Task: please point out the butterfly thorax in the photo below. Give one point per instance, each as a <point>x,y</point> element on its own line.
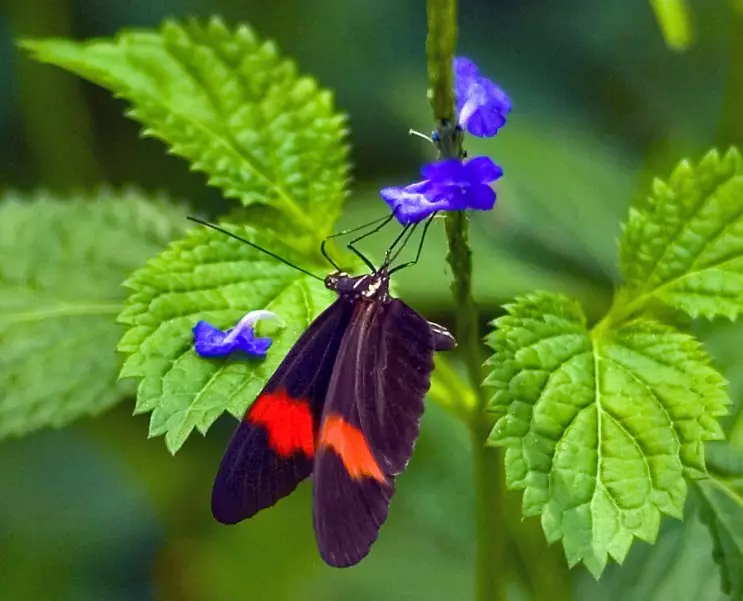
<point>372,286</point>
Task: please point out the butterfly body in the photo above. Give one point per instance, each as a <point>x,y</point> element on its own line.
<point>345,406</point>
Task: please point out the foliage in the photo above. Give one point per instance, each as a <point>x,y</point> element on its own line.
<point>218,279</point>
<point>61,268</point>
<point>721,508</point>
<point>229,104</point>
<point>685,245</point>
<point>602,424</point>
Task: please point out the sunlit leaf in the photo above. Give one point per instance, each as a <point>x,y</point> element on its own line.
<point>600,426</point>
<point>212,277</point>
<point>227,102</point>
<point>684,246</point>
<point>678,567</point>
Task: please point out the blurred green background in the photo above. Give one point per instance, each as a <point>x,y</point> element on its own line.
<point>601,105</point>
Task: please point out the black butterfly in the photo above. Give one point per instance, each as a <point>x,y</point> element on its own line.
<point>344,405</point>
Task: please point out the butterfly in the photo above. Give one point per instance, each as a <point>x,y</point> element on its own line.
<point>344,406</point>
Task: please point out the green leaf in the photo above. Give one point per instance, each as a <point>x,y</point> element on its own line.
<point>721,509</point>
<point>600,426</point>
<point>62,261</point>
<point>678,567</point>
<point>685,245</point>
<point>674,19</point>
<point>230,105</point>
<point>212,277</point>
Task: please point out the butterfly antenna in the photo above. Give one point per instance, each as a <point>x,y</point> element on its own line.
<point>420,248</point>
<point>249,243</point>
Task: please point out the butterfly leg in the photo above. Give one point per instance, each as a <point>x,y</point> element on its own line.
<point>420,247</point>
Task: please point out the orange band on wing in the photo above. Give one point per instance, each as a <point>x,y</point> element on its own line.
<point>287,421</point>
<point>349,443</point>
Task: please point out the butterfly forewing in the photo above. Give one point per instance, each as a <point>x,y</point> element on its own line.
<point>370,422</point>
<point>273,448</point>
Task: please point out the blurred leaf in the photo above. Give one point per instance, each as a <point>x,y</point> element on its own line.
<point>216,278</point>
<point>685,245</point>
<point>674,18</point>
<point>450,391</point>
<point>74,513</point>
<point>229,104</point>
<point>62,261</point>
<point>723,341</point>
<point>563,195</point>
<point>721,509</point>
<point>600,426</point>
<point>679,567</point>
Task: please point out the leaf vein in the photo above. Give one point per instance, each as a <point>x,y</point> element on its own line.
<point>681,227</point>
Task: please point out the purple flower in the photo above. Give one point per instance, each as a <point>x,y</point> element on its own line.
<point>481,105</point>
<point>213,342</point>
<point>448,186</point>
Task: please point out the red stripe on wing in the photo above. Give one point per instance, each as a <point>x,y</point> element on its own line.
<point>287,421</point>
<point>351,446</point>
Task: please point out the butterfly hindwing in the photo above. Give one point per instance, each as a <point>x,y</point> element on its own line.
<point>370,422</point>
<point>442,338</point>
<point>273,448</point>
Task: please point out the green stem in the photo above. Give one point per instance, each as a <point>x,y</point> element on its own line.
<point>490,582</point>
<point>59,141</point>
<point>467,319</point>
<point>61,310</point>
<point>730,129</point>
<point>440,46</point>
<point>487,463</point>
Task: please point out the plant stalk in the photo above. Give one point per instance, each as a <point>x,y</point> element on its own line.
<point>491,576</point>
<point>490,573</point>
<point>60,140</point>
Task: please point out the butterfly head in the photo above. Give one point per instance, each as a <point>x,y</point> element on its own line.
<point>373,286</point>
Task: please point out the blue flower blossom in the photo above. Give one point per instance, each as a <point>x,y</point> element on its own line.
<point>210,341</point>
<point>450,185</point>
<point>482,106</point>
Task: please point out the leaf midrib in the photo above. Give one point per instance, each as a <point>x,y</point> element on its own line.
<point>60,310</point>
<point>289,203</point>
<point>599,437</point>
